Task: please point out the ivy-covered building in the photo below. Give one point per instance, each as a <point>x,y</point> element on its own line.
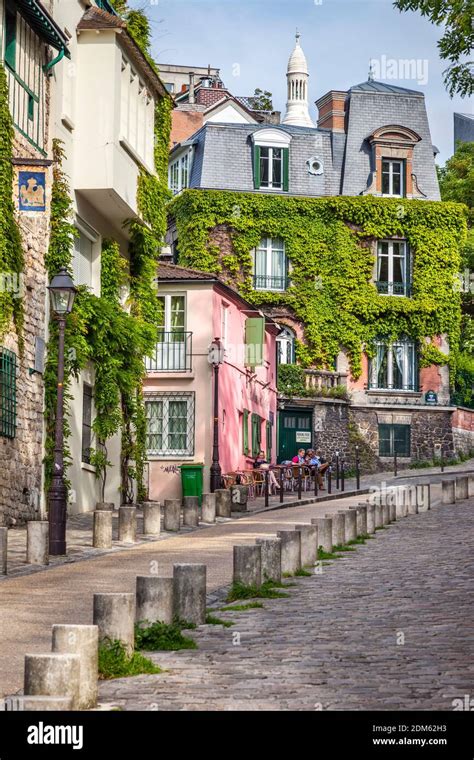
<point>337,232</point>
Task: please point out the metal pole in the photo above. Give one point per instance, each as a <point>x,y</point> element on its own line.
<point>329,478</point>
<point>442,459</point>
<point>395,464</point>
<point>299,484</point>
<point>216,472</point>
<point>267,485</point>
<point>57,495</point>
<point>357,469</point>
<point>342,475</point>
<point>337,470</point>
<point>281,485</point>
<point>315,479</point>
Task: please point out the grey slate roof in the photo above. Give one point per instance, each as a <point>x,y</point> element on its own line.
<point>223,156</point>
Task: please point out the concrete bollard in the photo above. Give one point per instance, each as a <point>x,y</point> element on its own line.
<point>248,565</point>
<point>423,497</point>
<point>411,500</point>
<point>385,513</point>
<point>53,675</point>
<point>400,508</point>
<point>309,544</point>
<point>191,511</point>
<point>361,519</point>
<point>189,592</point>
<point>114,614</point>
<point>378,515</point>
<point>208,514</point>
<point>290,551</point>
<point>448,495</point>
<point>82,640</point>
<point>370,518</point>
<point>470,485</point>
<point>102,530</point>
<point>27,703</point>
<point>223,502</point>
<point>172,515</point>
<point>271,559</point>
<point>350,525</point>
<point>462,488</point>
<point>151,518</point>
<point>3,550</point>
<point>154,599</point>
<point>338,528</point>
<point>324,526</point>
<point>37,542</point>
<point>128,524</point>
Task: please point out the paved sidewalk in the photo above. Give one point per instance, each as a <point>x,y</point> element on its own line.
<point>389,627</point>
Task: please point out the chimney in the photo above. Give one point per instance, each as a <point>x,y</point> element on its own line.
<point>332,109</point>
<point>191,98</point>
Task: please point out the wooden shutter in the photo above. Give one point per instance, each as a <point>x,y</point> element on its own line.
<point>256,166</point>
<point>245,432</point>
<point>254,337</point>
<point>286,169</point>
<point>255,435</point>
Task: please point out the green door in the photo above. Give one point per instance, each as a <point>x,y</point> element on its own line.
<point>295,432</point>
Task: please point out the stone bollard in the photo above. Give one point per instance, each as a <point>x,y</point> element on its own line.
<point>423,497</point>
<point>37,542</point>
<point>361,519</point>
<point>411,500</point>
<point>271,559</point>
<point>172,515</point>
<point>462,488</point>
<point>191,511</point>
<point>378,515</point>
<point>128,524</point>
<point>189,592</point>
<point>324,526</point>
<point>385,512</point>
<point>27,703</point>
<point>470,485</point>
<point>3,550</point>
<point>114,614</point>
<point>370,518</point>
<point>309,544</point>
<point>448,492</point>
<point>102,530</point>
<point>239,496</point>
<point>82,640</point>
<point>400,507</point>
<point>223,502</point>
<point>338,528</point>
<point>208,514</point>
<point>350,525</point>
<point>151,518</point>
<point>53,675</point>
<point>290,551</point>
<point>154,599</point>
<point>248,565</point>
<point>107,506</point>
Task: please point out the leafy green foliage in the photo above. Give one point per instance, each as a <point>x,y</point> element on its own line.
<point>114,662</point>
<point>455,17</point>
<point>262,100</point>
<point>161,636</point>
<point>214,620</point>
<point>242,607</point>
<point>268,590</point>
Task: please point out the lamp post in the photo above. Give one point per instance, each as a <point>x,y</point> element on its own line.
<point>215,359</point>
<point>62,293</point>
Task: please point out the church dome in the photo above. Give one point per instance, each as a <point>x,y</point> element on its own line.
<point>297,61</point>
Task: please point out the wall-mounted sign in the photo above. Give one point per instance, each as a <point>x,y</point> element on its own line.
<point>431,397</point>
<point>32,191</point>
<point>303,436</point>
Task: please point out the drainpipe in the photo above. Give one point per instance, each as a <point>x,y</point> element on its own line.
<point>191,98</point>
<point>47,68</point>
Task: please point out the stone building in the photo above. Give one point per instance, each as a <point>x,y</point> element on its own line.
<point>371,141</point>
<point>31,43</point>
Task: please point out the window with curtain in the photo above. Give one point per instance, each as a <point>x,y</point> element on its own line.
<point>393,366</point>
<point>285,343</point>
<point>87,395</point>
<point>393,271</point>
<point>270,265</point>
<point>170,424</point>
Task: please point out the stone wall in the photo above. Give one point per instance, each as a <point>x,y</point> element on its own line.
<point>463,430</point>
<point>427,429</point>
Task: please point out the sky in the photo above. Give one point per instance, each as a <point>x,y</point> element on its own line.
<point>251,40</point>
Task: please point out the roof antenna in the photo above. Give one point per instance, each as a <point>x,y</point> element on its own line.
<point>371,76</point>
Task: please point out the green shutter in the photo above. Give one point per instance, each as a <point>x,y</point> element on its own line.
<point>10,38</point>
<point>7,393</point>
<point>254,337</point>
<point>256,166</point>
<point>286,169</point>
<point>255,435</point>
<point>245,432</point>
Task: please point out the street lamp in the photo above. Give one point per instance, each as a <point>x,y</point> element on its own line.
<point>62,293</point>
<point>216,358</point>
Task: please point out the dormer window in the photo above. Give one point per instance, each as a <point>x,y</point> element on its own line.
<point>393,178</point>
<point>271,167</point>
<point>392,162</point>
<point>271,157</point>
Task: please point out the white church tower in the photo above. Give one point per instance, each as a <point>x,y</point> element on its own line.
<point>297,112</point>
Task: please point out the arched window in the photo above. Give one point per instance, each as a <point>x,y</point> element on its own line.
<point>286,346</point>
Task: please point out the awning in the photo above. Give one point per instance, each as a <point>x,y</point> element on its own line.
<point>43,24</point>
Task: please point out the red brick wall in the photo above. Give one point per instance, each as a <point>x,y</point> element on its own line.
<point>184,124</point>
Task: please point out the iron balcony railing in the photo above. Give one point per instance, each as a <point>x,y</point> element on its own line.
<point>393,288</point>
<point>173,353</point>
<point>393,387</point>
<point>264,282</point>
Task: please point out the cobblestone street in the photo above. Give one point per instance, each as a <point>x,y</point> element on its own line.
<point>390,626</point>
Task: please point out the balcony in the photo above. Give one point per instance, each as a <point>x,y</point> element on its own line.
<point>320,379</point>
<point>276,284</point>
<point>393,288</point>
<point>173,353</point>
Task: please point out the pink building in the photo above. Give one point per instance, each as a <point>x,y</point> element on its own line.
<point>178,390</point>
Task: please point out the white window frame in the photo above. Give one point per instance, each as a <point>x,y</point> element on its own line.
<point>165,398</point>
<point>137,107</point>
<point>85,230</point>
<point>391,162</point>
<point>270,248</point>
<point>286,345</point>
<point>271,184</point>
<point>224,323</point>
<point>390,256</point>
<point>409,366</point>
<point>179,172</point>
<point>166,327</point>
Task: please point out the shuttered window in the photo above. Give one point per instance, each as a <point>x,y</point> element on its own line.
<point>245,432</point>
<point>8,365</point>
<point>256,434</point>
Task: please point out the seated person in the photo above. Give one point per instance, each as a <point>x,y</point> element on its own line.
<point>315,461</point>
<point>260,463</point>
<point>300,457</point>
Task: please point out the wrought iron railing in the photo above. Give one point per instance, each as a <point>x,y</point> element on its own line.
<point>264,282</point>
<point>393,387</point>
<point>393,288</point>
<point>173,353</point>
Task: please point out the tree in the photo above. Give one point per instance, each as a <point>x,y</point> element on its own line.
<point>262,100</point>
<point>457,41</point>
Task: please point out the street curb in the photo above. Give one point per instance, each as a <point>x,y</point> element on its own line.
<point>302,503</point>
